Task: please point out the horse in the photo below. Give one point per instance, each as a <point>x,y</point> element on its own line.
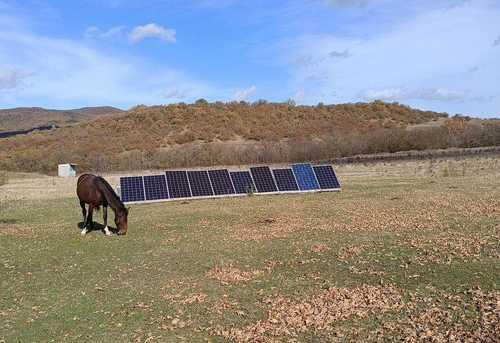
<point>96,191</point>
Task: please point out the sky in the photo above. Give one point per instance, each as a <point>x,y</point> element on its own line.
<point>441,55</point>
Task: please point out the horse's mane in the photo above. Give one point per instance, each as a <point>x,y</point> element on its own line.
<point>114,199</point>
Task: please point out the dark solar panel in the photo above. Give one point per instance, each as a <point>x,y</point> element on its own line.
<point>326,177</point>
<point>242,181</point>
<point>200,183</point>
<point>305,176</point>
<point>263,179</point>
<point>155,187</point>
<point>178,185</point>
<point>285,180</point>
<point>221,182</point>
<point>132,189</point>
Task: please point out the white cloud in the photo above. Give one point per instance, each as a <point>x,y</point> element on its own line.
<point>398,94</point>
<point>347,3</point>
<point>69,73</point>
<point>244,94</point>
<point>423,59</point>
<point>339,54</point>
<point>497,41</point>
<point>139,33</point>
<point>300,95</point>
<point>11,78</point>
<point>113,32</point>
<point>92,32</point>
<point>176,93</point>
<point>95,32</point>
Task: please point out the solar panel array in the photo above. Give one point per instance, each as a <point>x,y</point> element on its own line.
<point>181,184</point>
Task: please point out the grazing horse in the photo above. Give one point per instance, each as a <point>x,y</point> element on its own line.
<point>96,191</point>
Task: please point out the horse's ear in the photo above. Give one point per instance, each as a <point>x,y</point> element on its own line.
<point>128,209</point>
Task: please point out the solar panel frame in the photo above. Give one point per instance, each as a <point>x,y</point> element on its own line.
<point>177,190</point>
<point>134,194</point>
<point>327,189</point>
<point>239,187</point>
<point>305,176</point>
<point>155,193</point>
<point>285,183</point>
<point>223,188</point>
<point>266,185</point>
<point>198,189</point>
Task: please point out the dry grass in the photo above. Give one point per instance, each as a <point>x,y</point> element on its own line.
<point>395,256</point>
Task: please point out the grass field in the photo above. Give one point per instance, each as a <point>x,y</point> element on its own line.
<point>404,251</point>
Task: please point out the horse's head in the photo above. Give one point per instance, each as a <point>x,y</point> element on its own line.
<point>121,221</point>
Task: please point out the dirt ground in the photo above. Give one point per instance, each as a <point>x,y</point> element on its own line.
<point>25,186</point>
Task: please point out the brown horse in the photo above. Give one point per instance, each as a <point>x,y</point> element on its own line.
<point>96,191</point>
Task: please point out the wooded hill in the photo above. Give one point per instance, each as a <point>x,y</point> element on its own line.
<point>26,118</point>
<point>181,135</point>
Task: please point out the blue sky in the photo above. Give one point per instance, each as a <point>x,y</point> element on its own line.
<point>439,55</point>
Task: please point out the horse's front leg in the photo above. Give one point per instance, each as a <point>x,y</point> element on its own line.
<point>105,217</point>
<point>85,218</point>
<point>84,213</point>
<point>88,221</point>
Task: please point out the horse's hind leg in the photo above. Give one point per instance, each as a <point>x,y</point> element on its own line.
<point>105,217</point>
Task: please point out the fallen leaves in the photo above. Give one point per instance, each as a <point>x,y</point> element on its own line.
<point>229,274</point>
<point>319,248</point>
<point>288,318</point>
<point>461,320</point>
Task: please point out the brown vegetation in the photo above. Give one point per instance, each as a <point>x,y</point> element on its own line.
<point>25,118</point>
<point>205,134</point>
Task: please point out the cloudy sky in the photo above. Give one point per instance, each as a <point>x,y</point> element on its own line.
<point>440,55</point>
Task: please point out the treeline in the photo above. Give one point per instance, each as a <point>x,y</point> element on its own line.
<point>300,149</point>
<point>204,134</point>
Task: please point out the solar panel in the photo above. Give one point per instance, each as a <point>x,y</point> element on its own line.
<point>305,176</point>
<point>242,181</point>
<point>178,184</point>
<point>155,187</point>
<point>221,182</point>
<point>263,179</point>
<point>326,177</point>
<point>285,180</point>
<point>132,189</point>
<point>200,183</point>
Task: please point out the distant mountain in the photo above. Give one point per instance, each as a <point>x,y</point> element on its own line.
<point>27,118</point>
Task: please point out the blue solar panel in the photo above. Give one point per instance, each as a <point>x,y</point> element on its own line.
<point>285,180</point>
<point>132,189</point>
<point>200,183</point>
<point>305,176</point>
<point>221,182</point>
<point>178,184</point>
<point>326,177</point>
<point>155,187</point>
<point>263,179</point>
<point>242,181</point>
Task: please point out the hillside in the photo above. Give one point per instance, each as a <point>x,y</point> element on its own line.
<point>25,118</point>
<point>211,134</point>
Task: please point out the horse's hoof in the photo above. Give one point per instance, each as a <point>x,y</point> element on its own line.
<point>84,232</point>
<point>107,232</point>
<point>121,233</point>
